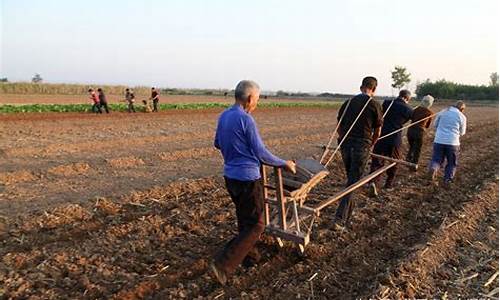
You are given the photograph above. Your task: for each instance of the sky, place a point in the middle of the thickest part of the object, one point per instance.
(308, 46)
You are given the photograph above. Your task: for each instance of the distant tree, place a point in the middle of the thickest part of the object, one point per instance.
(4, 79)
(400, 77)
(494, 79)
(450, 90)
(326, 95)
(37, 78)
(281, 93)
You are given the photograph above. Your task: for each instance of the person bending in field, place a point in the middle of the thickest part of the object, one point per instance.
(155, 96)
(397, 113)
(130, 99)
(147, 107)
(357, 143)
(103, 102)
(416, 133)
(238, 139)
(450, 125)
(96, 107)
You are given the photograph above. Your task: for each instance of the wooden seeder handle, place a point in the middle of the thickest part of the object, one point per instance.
(399, 161)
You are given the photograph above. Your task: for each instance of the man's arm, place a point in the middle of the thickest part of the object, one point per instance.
(436, 121)
(340, 131)
(216, 139)
(258, 147)
(429, 120)
(377, 121)
(463, 125)
(376, 135)
(409, 114)
(341, 110)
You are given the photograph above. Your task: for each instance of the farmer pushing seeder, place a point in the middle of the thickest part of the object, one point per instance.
(275, 202)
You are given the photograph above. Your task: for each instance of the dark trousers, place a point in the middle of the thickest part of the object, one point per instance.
(355, 154)
(440, 152)
(415, 140)
(248, 198)
(131, 107)
(385, 149)
(105, 105)
(155, 104)
(96, 107)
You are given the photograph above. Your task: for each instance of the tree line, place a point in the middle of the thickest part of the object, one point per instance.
(444, 89)
(401, 77)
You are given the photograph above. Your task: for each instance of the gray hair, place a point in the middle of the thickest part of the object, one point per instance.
(427, 101)
(244, 89)
(460, 105)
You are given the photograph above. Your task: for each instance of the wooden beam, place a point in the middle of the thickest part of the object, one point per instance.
(300, 238)
(303, 208)
(268, 186)
(351, 188)
(263, 173)
(399, 161)
(280, 196)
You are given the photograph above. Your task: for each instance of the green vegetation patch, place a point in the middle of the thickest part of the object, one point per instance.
(40, 108)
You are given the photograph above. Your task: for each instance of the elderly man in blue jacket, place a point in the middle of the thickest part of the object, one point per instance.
(238, 139)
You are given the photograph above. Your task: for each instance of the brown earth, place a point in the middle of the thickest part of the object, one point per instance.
(133, 206)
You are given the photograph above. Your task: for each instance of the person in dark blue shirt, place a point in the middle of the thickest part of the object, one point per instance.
(397, 112)
(238, 139)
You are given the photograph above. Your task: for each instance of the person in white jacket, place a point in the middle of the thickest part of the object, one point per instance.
(450, 125)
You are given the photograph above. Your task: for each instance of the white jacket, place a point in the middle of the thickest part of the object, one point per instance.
(450, 125)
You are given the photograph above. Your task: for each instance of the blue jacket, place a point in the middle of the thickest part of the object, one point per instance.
(238, 139)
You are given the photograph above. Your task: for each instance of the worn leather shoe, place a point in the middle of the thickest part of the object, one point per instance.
(219, 274)
(373, 190)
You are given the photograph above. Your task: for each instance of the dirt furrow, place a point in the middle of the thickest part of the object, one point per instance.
(119, 175)
(414, 276)
(165, 134)
(156, 242)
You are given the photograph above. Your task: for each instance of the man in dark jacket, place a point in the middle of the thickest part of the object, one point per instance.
(416, 133)
(102, 100)
(397, 113)
(155, 96)
(357, 141)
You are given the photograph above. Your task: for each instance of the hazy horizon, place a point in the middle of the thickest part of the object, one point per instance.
(314, 46)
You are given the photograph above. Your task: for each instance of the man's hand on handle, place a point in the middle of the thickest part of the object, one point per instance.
(376, 135)
(290, 166)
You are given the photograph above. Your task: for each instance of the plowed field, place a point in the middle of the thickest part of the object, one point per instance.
(133, 206)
